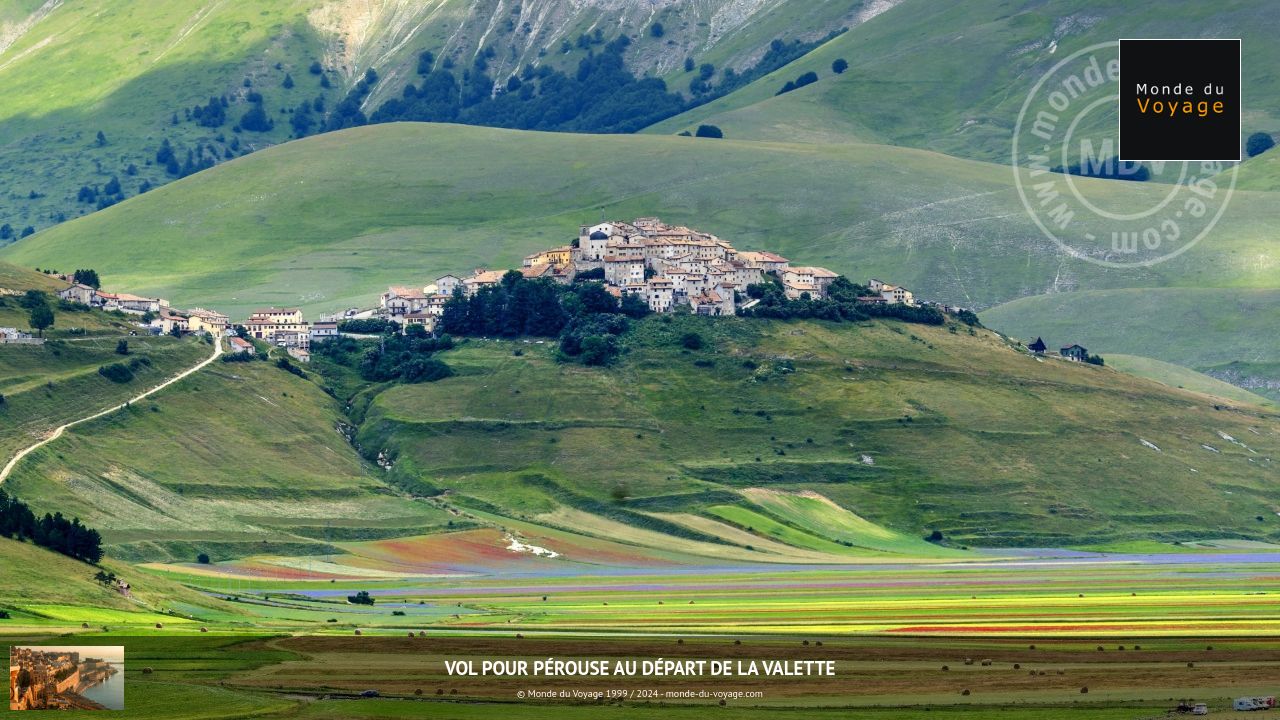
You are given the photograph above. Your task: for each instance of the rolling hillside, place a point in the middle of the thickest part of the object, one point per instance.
(70, 69)
(827, 442)
(951, 77)
(46, 385)
(910, 427)
(329, 221)
(238, 458)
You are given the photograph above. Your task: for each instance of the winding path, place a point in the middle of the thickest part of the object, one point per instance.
(57, 432)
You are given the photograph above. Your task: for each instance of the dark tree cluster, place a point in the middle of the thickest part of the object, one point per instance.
(211, 115)
(406, 358)
(54, 532)
(347, 113)
(1110, 169)
(602, 96)
(366, 326)
(840, 305)
(586, 318)
(87, 277)
(808, 78)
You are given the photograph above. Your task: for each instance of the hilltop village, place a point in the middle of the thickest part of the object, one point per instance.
(671, 268)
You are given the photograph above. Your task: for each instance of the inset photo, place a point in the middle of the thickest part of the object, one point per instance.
(66, 677)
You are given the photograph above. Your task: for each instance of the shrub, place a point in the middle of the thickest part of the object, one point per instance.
(122, 347)
(691, 341)
(360, 598)
(1258, 143)
(709, 131)
(116, 372)
(839, 66)
(203, 558)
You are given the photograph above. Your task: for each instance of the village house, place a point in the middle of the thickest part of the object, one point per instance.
(280, 326)
(447, 284)
(79, 293)
(14, 336)
(1077, 353)
(480, 279)
(239, 345)
(892, 293)
(170, 322)
(1038, 347)
(324, 330)
(132, 304)
(200, 320)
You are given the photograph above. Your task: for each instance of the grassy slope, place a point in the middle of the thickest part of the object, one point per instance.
(241, 457)
(997, 447)
(1178, 376)
(45, 386)
(952, 77)
(328, 221)
(1233, 324)
(31, 576)
(126, 68)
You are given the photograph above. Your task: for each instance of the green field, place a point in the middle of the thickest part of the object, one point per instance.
(1178, 376)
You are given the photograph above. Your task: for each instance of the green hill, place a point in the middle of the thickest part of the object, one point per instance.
(329, 221)
(1178, 376)
(796, 441)
(46, 385)
(1197, 328)
(908, 426)
(952, 77)
(238, 458)
(135, 71)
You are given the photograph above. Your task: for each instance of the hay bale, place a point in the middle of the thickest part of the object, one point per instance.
(1137, 647)
(1209, 647)
(986, 663)
(519, 636)
(1191, 664)
(945, 668)
(422, 633)
(805, 643)
(204, 629)
(1031, 672)
(818, 643)
(1120, 647)
(680, 641)
(1084, 690)
(1101, 649)
(84, 625)
(159, 626)
(965, 691)
(1017, 666)
(737, 642)
(439, 691)
(358, 632)
(147, 671)
(1031, 647)
(411, 633)
(418, 691)
(968, 661)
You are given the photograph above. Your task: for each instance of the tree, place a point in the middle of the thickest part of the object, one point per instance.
(41, 318)
(122, 347)
(288, 82)
(87, 277)
(6, 232)
(360, 598)
(691, 341)
(315, 68)
(256, 120)
(633, 305)
(28, 231)
(203, 558)
(102, 139)
(688, 64)
(709, 131)
(839, 66)
(1258, 143)
(657, 30)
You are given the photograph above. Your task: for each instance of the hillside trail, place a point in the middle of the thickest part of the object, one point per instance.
(57, 432)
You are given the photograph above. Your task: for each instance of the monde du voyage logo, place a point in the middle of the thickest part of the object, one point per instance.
(1164, 115)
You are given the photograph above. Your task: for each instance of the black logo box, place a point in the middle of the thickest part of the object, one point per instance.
(1180, 64)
